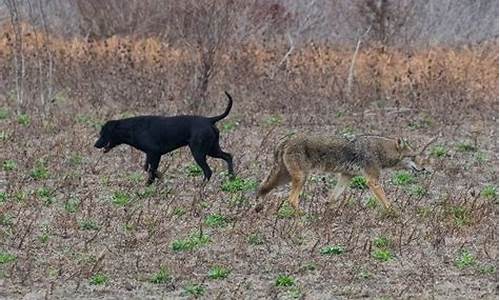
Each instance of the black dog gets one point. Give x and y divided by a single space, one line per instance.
157 135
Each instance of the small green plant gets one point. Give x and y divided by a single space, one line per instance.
229 125
273 120
75 160
193 242
71 206
179 211
238 185
46 195
40 171
309 266
43 238
4 113
3 135
364 274
382 255
464 259
3 197
465 147
358 182
89 224
382 251
417 191
194 170
135 177
402 178
24 120
487 269
284 281
161 276
461 215
217 221
424 212
6 219
98 279
372 202
295 293
218 272
286 211
146 192
9 165
490 192
382 242
120 198
6 257
256 239
194 289
332 250
439 151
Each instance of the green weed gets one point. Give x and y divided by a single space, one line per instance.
284 281
193 242
256 239
382 255
461 216
332 250
120 198
273 120
439 151
216 221
4 113
98 279
418 191
3 197
179 211
71 206
359 182
402 178
9 165
382 242
6 257
89 224
195 290
286 211
238 185
229 125
218 272
24 120
40 171
161 276
466 147
464 259
490 192
46 195
194 170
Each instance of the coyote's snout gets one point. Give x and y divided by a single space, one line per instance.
364 155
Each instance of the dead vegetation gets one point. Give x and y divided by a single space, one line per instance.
76 223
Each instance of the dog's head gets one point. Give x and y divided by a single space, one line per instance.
107 137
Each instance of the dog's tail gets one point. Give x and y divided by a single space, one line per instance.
226 112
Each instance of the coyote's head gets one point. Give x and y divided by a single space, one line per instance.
410 158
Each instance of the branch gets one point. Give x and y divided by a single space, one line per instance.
350 77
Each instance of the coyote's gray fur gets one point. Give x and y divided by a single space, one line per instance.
363 155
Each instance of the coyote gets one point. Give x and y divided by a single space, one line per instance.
363 155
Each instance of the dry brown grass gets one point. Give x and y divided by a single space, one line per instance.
95 216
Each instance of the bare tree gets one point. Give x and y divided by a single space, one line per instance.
206 26
15 22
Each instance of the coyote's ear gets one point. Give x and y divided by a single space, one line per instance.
401 143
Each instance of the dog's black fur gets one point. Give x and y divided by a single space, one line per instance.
156 135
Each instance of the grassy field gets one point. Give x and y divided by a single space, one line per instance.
75 223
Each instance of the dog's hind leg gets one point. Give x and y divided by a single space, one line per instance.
154 161
201 160
228 158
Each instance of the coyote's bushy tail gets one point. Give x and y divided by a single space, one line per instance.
278 175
